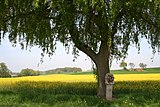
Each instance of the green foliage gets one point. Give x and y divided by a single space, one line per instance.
123 64
29 72
132 65
4 71
142 65
85 23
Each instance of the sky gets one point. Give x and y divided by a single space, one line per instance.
17 59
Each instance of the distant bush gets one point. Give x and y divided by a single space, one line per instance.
28 72
132 65
4 74
4 71
123 65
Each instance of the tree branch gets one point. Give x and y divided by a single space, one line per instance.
81 46
115 24
117 19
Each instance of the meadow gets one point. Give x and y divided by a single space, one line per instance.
64 90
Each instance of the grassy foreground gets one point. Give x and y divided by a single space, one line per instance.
130 90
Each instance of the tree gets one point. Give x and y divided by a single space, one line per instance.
4 71
142 65
29 72
123 64
102 29
132 65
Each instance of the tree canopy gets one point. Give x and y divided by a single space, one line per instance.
132 65
4 71
86 23
124 65
102 29
29 72
142 65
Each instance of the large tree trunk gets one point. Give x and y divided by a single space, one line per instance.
103 68
101 61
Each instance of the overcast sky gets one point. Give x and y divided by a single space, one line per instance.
17 59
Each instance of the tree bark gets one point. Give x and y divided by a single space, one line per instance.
103 68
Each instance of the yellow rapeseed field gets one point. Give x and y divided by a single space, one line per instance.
78 78
136 77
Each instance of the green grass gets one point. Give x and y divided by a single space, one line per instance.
83 73
146 71
59 94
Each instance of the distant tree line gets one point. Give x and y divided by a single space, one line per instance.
63 70
124 65
5 72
